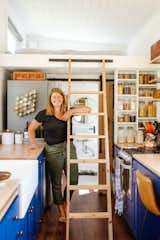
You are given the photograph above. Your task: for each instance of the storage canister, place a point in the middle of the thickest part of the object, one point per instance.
(130, 135)
(18, 137)
(7, 137)
(140, 137)
(121, 135)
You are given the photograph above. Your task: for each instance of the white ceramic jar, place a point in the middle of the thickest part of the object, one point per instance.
(18, 137)
(7, 137)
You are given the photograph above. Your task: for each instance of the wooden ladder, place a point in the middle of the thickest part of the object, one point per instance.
(108, 214)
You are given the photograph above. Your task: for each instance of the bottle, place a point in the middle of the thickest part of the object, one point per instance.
(25, 133)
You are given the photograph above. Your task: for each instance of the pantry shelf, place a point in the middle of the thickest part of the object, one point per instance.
(127, 80)
(126, 123)
(147, 119)
(127, 96)
(148, 85)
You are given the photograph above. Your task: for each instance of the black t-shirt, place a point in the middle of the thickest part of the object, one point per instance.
(55, 130)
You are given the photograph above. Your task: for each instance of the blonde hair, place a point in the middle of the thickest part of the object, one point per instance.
(50, 108)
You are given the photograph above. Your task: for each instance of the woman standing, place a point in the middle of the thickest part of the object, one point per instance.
(53, 119)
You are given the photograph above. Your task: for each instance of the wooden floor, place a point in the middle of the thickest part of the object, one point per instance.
(83, 229)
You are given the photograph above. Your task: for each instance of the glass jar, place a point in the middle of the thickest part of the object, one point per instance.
(140, 137)
(142, 109)
(121, 135)
(133, 89)
(140, 79)
(120, 118)
(133, 105)
(130, 135)
(126, 89)
(120, 88)
(151, 109)
(120, 105)
(126, 118)
(132, 118)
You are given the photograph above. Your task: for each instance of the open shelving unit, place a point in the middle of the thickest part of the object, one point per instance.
(128, 104)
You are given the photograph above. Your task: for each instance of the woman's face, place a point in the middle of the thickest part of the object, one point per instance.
(56, 99)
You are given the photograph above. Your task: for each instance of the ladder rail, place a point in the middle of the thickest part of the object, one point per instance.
(68, 151)
(107, 166)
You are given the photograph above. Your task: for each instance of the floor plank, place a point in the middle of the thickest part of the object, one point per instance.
(83, 229)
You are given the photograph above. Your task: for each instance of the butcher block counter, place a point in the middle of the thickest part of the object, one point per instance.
(19, 152)
(8, 192)
(151, 161)
(9, 189)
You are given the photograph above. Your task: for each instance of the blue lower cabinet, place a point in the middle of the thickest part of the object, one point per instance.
(41, 181)
(147, 225)
(3, 229)
(13, 228)
(12, 220)
(31, 220)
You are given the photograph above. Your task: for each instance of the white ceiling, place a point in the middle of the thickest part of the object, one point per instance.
(99, 21)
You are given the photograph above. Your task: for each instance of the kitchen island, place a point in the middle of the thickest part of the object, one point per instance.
(22, 196)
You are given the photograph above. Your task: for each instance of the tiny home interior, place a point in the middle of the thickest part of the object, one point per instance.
(100, 63)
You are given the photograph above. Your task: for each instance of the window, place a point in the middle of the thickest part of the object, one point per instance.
(13, 37)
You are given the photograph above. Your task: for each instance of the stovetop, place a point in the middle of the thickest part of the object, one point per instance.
(141, 150)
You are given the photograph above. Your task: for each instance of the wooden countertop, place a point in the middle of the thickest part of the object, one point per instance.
(8, 192)
(128, 145)
(19, 152)
(151, 161)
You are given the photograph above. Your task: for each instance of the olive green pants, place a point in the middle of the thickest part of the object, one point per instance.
(56, 160)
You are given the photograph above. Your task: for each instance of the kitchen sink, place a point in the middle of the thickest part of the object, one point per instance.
(26, 171)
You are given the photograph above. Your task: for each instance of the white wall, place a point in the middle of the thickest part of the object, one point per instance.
(42, 42)
(17, 21)
(5, 11)
(143, 40)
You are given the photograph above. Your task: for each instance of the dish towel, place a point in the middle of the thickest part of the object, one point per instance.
(119, 195)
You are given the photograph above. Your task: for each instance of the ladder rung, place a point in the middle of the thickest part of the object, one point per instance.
(88, 161)
(86, 136)
(89, 187)
(92, 113)
(86, 92)
(89, 215)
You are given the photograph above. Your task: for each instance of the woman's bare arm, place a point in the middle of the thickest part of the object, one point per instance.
(31, 131)
(75, 111)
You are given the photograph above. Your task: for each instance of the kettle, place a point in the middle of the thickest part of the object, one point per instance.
(7, 137)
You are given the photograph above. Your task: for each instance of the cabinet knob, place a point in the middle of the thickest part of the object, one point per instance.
(20, 233)
(31, 209)
(15, 218)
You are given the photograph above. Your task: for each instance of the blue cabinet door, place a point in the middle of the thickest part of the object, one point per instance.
(3, 229)
(147, 224)
(12, 221)
(41, 181)
(31, 220)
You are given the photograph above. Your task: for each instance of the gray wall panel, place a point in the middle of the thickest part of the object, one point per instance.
(16, 88)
